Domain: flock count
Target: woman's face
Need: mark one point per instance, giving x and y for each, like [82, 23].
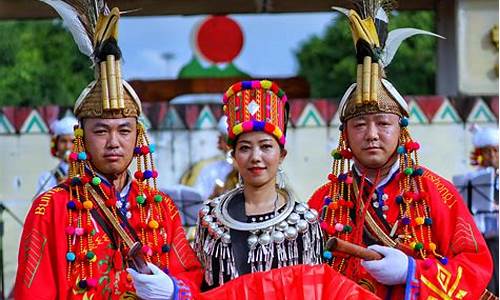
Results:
[258, 156]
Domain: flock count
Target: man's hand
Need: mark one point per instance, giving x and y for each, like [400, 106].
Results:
[158, 286]
[390, 270]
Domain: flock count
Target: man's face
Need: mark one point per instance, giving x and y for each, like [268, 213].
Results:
[373, 138]
[110, 143]
[490, 156]
[64, 145]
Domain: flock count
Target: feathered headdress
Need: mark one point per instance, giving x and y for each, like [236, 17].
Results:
[375, 49]
[95, 30]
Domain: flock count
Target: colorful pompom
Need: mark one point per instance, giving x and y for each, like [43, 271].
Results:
[70, 256]
[404, 122]
[71, 205]
[153, 224]
[88, 205]
[96, 181]
[140, 199]
[266, 84]
[138, 175]
[165, 248]
[327, 255]
[237, 129]
[82, 156]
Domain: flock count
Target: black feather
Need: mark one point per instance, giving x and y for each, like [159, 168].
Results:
[382, 31]
[108, 47]
[363, 49]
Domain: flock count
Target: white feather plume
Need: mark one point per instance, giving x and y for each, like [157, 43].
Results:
[345, 11]
[394, 40]
[73, 23]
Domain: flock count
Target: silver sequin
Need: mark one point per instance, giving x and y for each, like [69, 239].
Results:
[293, 218]
[291, 233]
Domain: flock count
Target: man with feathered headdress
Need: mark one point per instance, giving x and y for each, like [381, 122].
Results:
[105, 233]
[378, 195]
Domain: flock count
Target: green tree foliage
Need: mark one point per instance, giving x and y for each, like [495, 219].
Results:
[328, 62]
[40, 64]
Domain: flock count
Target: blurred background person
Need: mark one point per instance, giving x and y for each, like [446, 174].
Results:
[484, 157]
[213, 176]
[60, 147]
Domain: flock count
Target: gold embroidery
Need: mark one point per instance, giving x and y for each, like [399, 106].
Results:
[45, 201]
[33, 245]
[102, 240]
[444, 277]
[367, 284]
[128, 296]
[444, 192]
[172, 209]
[463, 239]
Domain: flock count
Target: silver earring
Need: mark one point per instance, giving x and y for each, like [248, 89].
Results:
[281, 178]
[240, 180]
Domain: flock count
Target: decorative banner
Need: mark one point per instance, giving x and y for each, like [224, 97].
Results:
[303, 113]
[218, 39]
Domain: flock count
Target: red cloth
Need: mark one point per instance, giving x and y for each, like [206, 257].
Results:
[42, 265]
[454, 232]
[302, 282]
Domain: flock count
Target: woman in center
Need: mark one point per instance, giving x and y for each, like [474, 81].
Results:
[259, 225]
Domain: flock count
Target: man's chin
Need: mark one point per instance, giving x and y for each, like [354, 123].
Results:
[372, 164]
[111, 169]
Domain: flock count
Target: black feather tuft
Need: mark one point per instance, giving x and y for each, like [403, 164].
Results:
[108, 47]
[363, 49]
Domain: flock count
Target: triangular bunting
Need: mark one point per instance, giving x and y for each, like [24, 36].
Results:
[494, 105]
[326, 108]
[49, 113]
[206, 119]
[5, 125]
[429, 105]
[155, 113]
[310, 117]
[296, 109]
[34, 124]
[417, 116]
[172, 120]
[480, 113]
[216, 110]
[190, 114]
[446, 114]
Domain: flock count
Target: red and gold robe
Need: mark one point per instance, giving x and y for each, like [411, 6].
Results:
[45, 273]
[467, 268]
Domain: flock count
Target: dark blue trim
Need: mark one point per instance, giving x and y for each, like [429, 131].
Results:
[410, 276]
